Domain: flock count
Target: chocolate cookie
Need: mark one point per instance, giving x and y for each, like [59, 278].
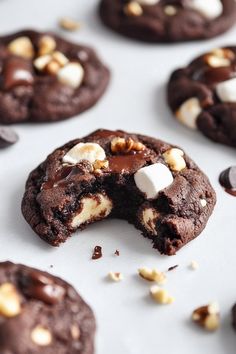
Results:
[42, 314]
[203, 95]
[45, 78]
[145, 181]
[168, 20]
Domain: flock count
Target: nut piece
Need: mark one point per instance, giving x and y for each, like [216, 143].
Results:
[47, 45]
[115, 276]
[9, 300]
[22, 46]
[41, 62]
[69, 24]
[100, 165]
[203, 203]
[152, 275]
[219, 57]
[60, 58]
[71, 74]
[133, 8]
[161, 296]
[170, 10]
[75, 332]
[194, 265]
[41, 336]
[207, 316]
[174, 158]
[149, 219]
[84, 151]
[150, 180]
[52, 67]
[92, 207]
[125, 145]
[188, 112]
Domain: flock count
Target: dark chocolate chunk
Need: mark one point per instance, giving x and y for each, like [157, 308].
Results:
[17, 72]
[68, 324]
[97, 252]
[117, 253]
[75, 200]
[234, 317]
[228, 178]
[7, 137]
[172, 268]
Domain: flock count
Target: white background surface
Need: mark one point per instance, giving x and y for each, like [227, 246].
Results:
[128, 321]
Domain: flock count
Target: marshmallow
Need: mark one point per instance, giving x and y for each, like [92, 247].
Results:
[152, 179]
[71, 74]
[226, 90]
[92, 208]
[84, 151]
[188, 112]
[208, 8]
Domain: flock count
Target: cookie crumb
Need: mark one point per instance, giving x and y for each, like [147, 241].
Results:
[172, 268]
[117, 253]
[194, 265]
[97, 252]
[115, 276]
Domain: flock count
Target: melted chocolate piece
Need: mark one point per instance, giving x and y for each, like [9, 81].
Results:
[97, 252]
[212, 76]
[38, 286]
[7, 137]
[103, 133]
[127, 163]
[16, 72]
[228, 180]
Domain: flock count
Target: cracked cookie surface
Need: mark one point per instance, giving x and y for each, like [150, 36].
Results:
[114, 174]
[46, 78]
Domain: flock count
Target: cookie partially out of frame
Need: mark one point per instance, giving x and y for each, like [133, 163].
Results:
[203, 95]
[46, 78]
[168, 20]
[143, 180]
[42, 314]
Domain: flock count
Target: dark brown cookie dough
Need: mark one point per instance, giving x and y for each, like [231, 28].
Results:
[42, 314]
[114, 174]
[203, 95]
[46, 78]
[168, 20]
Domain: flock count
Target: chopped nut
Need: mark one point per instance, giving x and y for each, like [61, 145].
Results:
[133, 8]
[149, 219]
[152, 275]
[47, 45]
[41, 336]
[175, 159]
[125, 145]
[60, 58]
[115, 276]
[52, 67]
[99, 165]
[75, 332]
[207, 316]
[41, 62]
[161, 296]
[170, 10]
[203, 202]
[219, 57]
[22, 46]
[9, 300]
[69, 24]
[194, 265]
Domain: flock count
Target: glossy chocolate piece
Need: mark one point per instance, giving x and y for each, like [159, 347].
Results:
[7, 137]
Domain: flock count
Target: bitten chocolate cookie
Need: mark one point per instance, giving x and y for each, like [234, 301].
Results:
[168, 20]
[149, 183]
[203, 95]
[42, 314]
[45, 78]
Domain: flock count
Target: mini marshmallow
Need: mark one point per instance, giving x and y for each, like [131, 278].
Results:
[84, 151]
[208, 8]
[226, 90]
[188, 112]
[148, 2]
[152, 179]
[71, 74]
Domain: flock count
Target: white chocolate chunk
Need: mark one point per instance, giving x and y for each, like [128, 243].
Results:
[226, 90]
[208, 8]
[188, 112]
[148, 2]
[84, 151]
[149, 218]
[93, 207]
[152, 179]
[71, 74]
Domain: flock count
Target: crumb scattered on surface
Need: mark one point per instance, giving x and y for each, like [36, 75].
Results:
[194, 265]
[173, 267]
[117, 253]
[69, 24]
[115, 276]
[97, 252]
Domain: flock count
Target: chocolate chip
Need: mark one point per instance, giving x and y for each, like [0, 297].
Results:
[97, 252]
[7, 137]
[17, 71]
[228, 178]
